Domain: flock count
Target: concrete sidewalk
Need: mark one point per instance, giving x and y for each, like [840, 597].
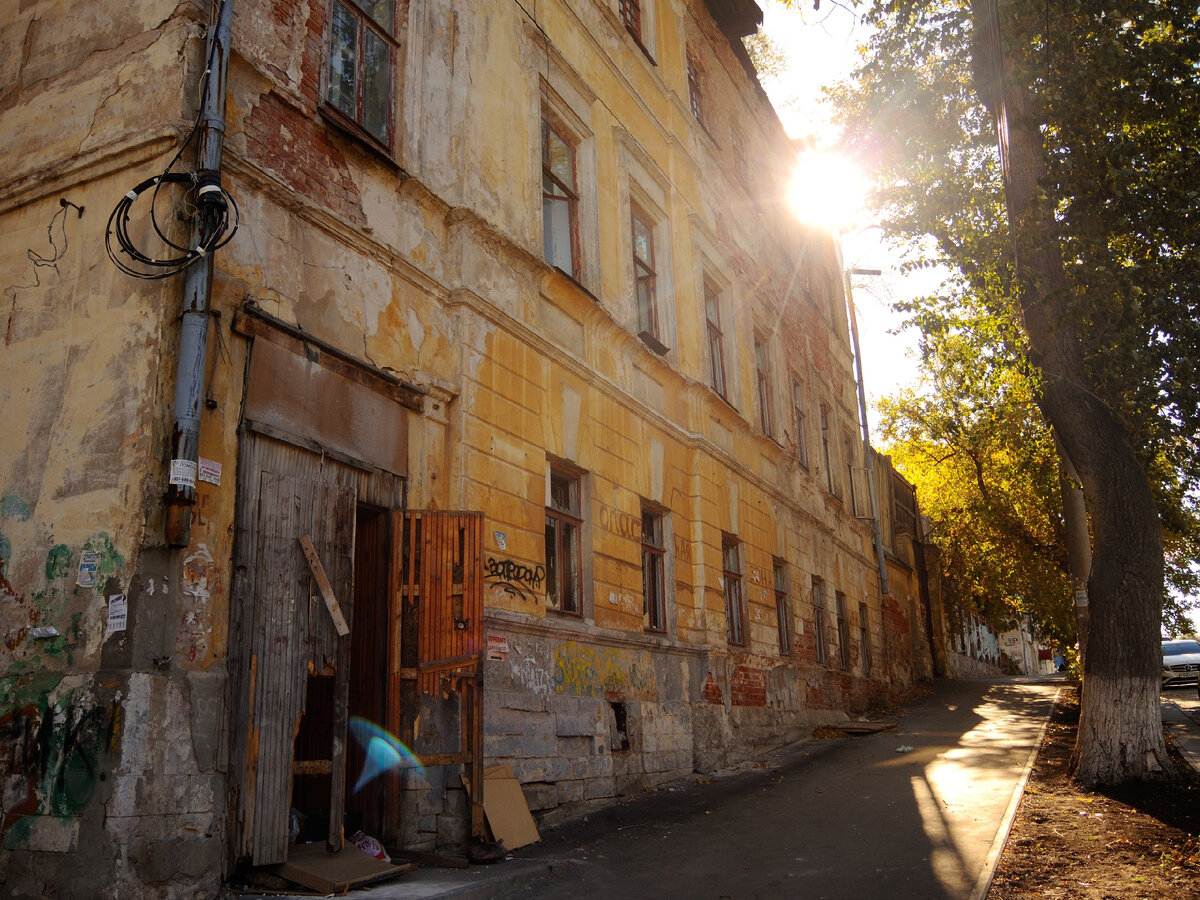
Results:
[1181, 722]
[919, 811]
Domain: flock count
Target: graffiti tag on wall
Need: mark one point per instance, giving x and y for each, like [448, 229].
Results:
[623, 524]
[53, 760]
[514, 577]
[591, 672]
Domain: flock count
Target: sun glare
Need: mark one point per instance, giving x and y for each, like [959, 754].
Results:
[827, 190]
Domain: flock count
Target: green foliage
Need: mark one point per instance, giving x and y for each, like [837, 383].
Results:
[770, 60]
[1118, 101]
[985, 468]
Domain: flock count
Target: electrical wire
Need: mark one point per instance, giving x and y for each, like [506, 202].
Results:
[217, 221]
[213, 209]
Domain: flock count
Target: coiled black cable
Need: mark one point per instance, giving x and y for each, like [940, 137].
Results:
[212, 206]
[217, 221]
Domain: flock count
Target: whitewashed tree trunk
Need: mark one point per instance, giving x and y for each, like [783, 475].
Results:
[1120, 730]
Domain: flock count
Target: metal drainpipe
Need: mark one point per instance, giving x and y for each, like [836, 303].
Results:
[884, 590]
[197, 291]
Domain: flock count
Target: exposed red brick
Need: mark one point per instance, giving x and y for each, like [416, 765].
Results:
[748, 687]
[297, 149]
[711, 691]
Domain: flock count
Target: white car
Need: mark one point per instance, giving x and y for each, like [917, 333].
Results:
[1181, 662]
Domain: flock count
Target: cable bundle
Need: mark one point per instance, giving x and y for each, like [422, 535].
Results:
[214, 207]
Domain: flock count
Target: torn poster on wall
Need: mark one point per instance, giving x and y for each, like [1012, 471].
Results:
[497, 645]
[118, 612]
[210, 471]
[89, 563]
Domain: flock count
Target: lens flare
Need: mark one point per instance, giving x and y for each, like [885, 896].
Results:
[827, 190]
[382, 750]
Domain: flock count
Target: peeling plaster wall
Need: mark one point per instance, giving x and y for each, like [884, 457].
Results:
[112, 719]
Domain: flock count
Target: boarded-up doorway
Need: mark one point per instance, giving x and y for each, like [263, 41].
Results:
[322, 457]
[296, 680]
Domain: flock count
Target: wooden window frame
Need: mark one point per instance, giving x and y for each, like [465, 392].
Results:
[731, 570]
[654, 570]
[864, 638]
[843, 630]
[366, 26]
[569, 194]
[783, 606]
[564, 542]
[827, 453]
[633, 16]
[848, 446]
[716, 339]
[645, 277]
[799, 416]
[695, 90]
[820, 638]
[763, 381]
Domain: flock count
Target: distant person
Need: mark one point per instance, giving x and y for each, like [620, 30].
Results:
[1060, 664]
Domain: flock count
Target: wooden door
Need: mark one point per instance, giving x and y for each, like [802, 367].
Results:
[292, 635]
[441, 608]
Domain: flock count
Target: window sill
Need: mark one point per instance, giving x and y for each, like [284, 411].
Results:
[638, 40]
[347, 126]
[654, 343]
[579, 285]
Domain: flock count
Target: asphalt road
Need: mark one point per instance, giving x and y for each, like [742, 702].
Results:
[909, 813]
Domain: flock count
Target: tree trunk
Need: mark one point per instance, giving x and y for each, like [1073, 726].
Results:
[1120, 726]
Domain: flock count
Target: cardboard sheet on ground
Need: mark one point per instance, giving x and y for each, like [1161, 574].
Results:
[506, 810]
[314, 867]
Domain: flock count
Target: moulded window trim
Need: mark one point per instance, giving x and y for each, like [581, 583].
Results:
[558, 108]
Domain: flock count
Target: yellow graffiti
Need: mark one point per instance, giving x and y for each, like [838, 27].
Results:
[589, 672]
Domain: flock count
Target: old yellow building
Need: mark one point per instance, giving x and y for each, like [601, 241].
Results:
[515, 424]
